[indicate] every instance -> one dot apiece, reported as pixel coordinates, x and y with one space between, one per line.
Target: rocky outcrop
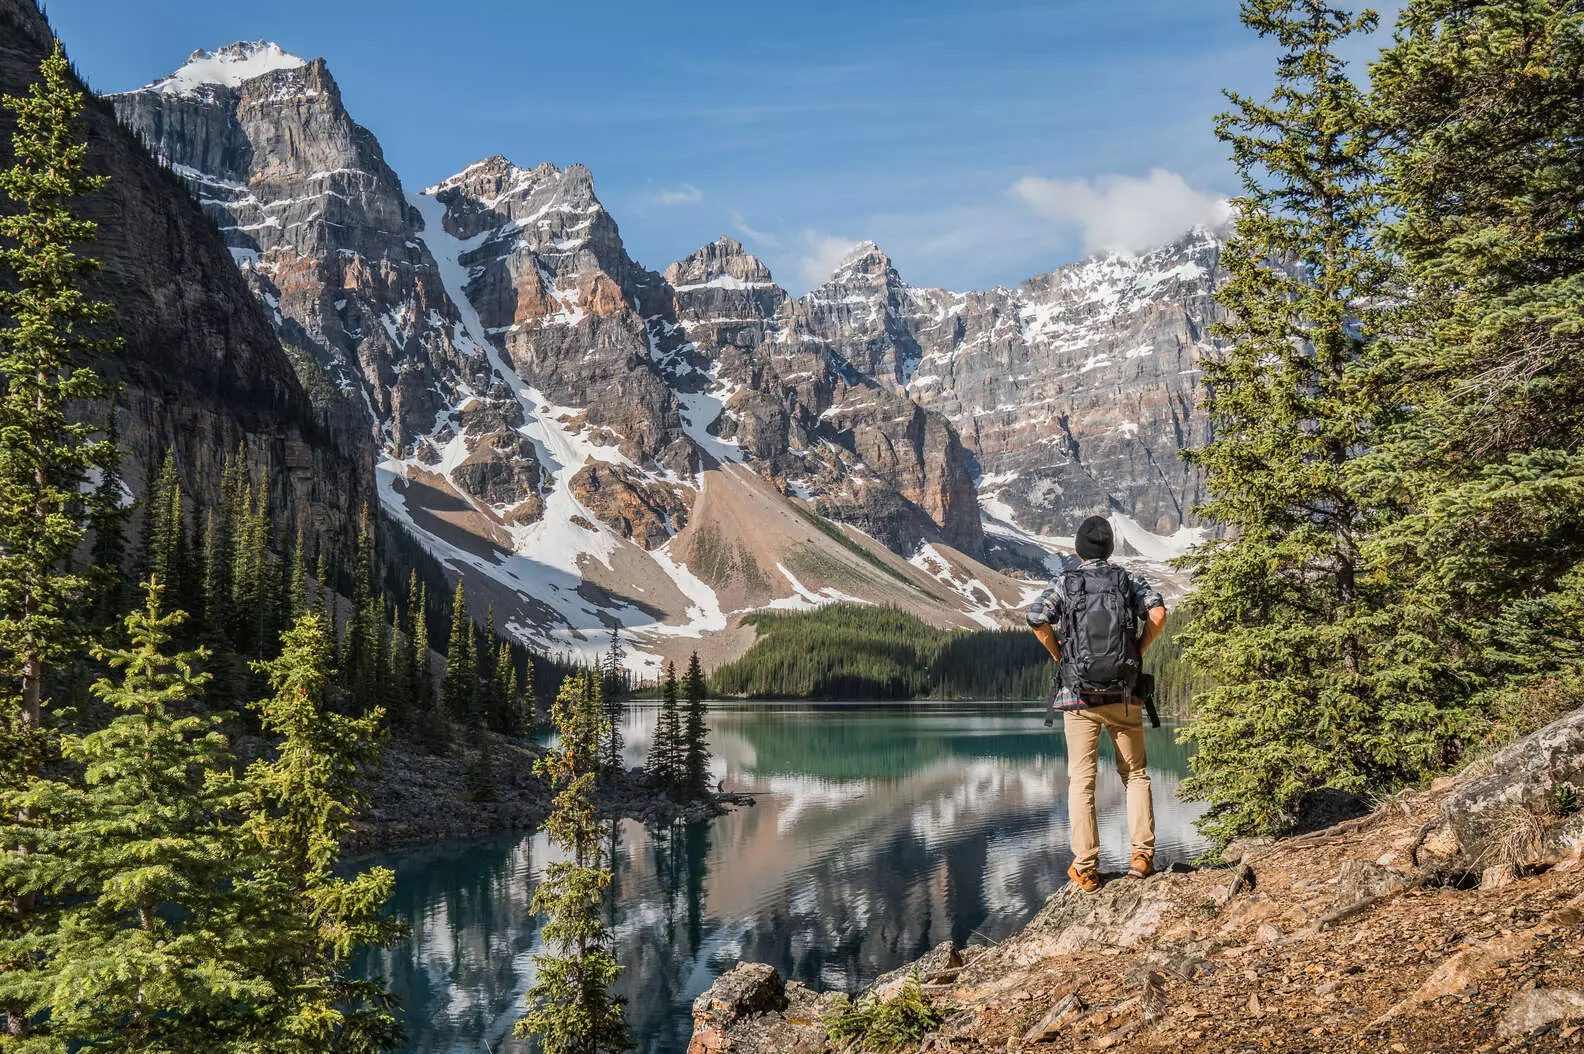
646 511
1523 813
749 1008
201 367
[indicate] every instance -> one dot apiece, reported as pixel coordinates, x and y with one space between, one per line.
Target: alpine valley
590 442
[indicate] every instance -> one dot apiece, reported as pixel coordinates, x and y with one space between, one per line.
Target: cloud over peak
1122 213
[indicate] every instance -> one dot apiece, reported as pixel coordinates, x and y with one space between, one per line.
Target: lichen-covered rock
749 1010
1508 816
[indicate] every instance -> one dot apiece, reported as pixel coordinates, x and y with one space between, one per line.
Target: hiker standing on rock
1088 619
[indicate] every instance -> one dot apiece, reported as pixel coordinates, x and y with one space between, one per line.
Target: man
1088 619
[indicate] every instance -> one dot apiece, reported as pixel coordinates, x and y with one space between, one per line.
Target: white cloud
686 194
1123 213
740 225
821 253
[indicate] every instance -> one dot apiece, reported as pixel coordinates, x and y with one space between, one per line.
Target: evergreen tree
1484 106
614 672
361 651
108 517
1289 616
152 956
166 537
665 750
300 804
571 1010
216 587
47 462
504 688
459 690
695 731
297 590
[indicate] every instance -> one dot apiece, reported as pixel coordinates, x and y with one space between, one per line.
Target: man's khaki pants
1125 724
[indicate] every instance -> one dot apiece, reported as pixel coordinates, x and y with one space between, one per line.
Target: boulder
1508 816
1535 1009
749 1010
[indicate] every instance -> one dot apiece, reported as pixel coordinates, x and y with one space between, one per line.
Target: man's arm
1047 636
1154 622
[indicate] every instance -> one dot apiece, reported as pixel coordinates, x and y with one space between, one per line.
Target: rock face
201 367
313 216
1073 393
749 1010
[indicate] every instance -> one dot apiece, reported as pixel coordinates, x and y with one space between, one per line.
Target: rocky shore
416 796
1449 919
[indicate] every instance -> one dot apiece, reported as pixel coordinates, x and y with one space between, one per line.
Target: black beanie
1093 540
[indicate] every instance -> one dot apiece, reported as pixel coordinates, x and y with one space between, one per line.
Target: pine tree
695 731
665 750
47 344
1484 106
614 671
152 956
300 804
1289 616
571 1010
459 691
431 721
362 631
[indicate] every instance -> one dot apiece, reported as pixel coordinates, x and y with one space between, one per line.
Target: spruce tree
571 1010
614 671
297 588
1484 109
695 731
459 691
1289 616
299 806
152 955
504 687
47 462
108 516
665 753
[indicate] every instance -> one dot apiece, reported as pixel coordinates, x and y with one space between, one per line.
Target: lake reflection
879 832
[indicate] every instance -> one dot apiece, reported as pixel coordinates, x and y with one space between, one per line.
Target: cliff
201 368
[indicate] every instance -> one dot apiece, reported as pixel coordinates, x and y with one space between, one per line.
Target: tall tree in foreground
695 730
147 958
571 1010
1288 617
47 462
1484 105
665 749
300 805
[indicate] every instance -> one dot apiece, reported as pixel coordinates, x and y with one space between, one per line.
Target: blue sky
978 143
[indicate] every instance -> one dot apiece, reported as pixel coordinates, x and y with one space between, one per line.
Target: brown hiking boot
1143 865
1087 881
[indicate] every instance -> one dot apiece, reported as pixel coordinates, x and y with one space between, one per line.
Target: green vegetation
852 651
571 1010
1398 413
894 1024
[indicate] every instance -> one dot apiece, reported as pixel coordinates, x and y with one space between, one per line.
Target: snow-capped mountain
585 440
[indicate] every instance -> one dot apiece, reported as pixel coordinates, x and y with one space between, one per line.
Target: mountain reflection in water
879 832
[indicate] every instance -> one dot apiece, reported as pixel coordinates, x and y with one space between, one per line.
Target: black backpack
1100 645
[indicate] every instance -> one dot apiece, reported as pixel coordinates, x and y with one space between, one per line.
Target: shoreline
416 798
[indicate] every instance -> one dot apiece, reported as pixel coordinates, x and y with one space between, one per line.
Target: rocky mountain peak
863 264
723 263
229 67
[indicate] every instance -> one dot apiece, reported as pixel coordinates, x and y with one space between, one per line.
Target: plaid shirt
1047 611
